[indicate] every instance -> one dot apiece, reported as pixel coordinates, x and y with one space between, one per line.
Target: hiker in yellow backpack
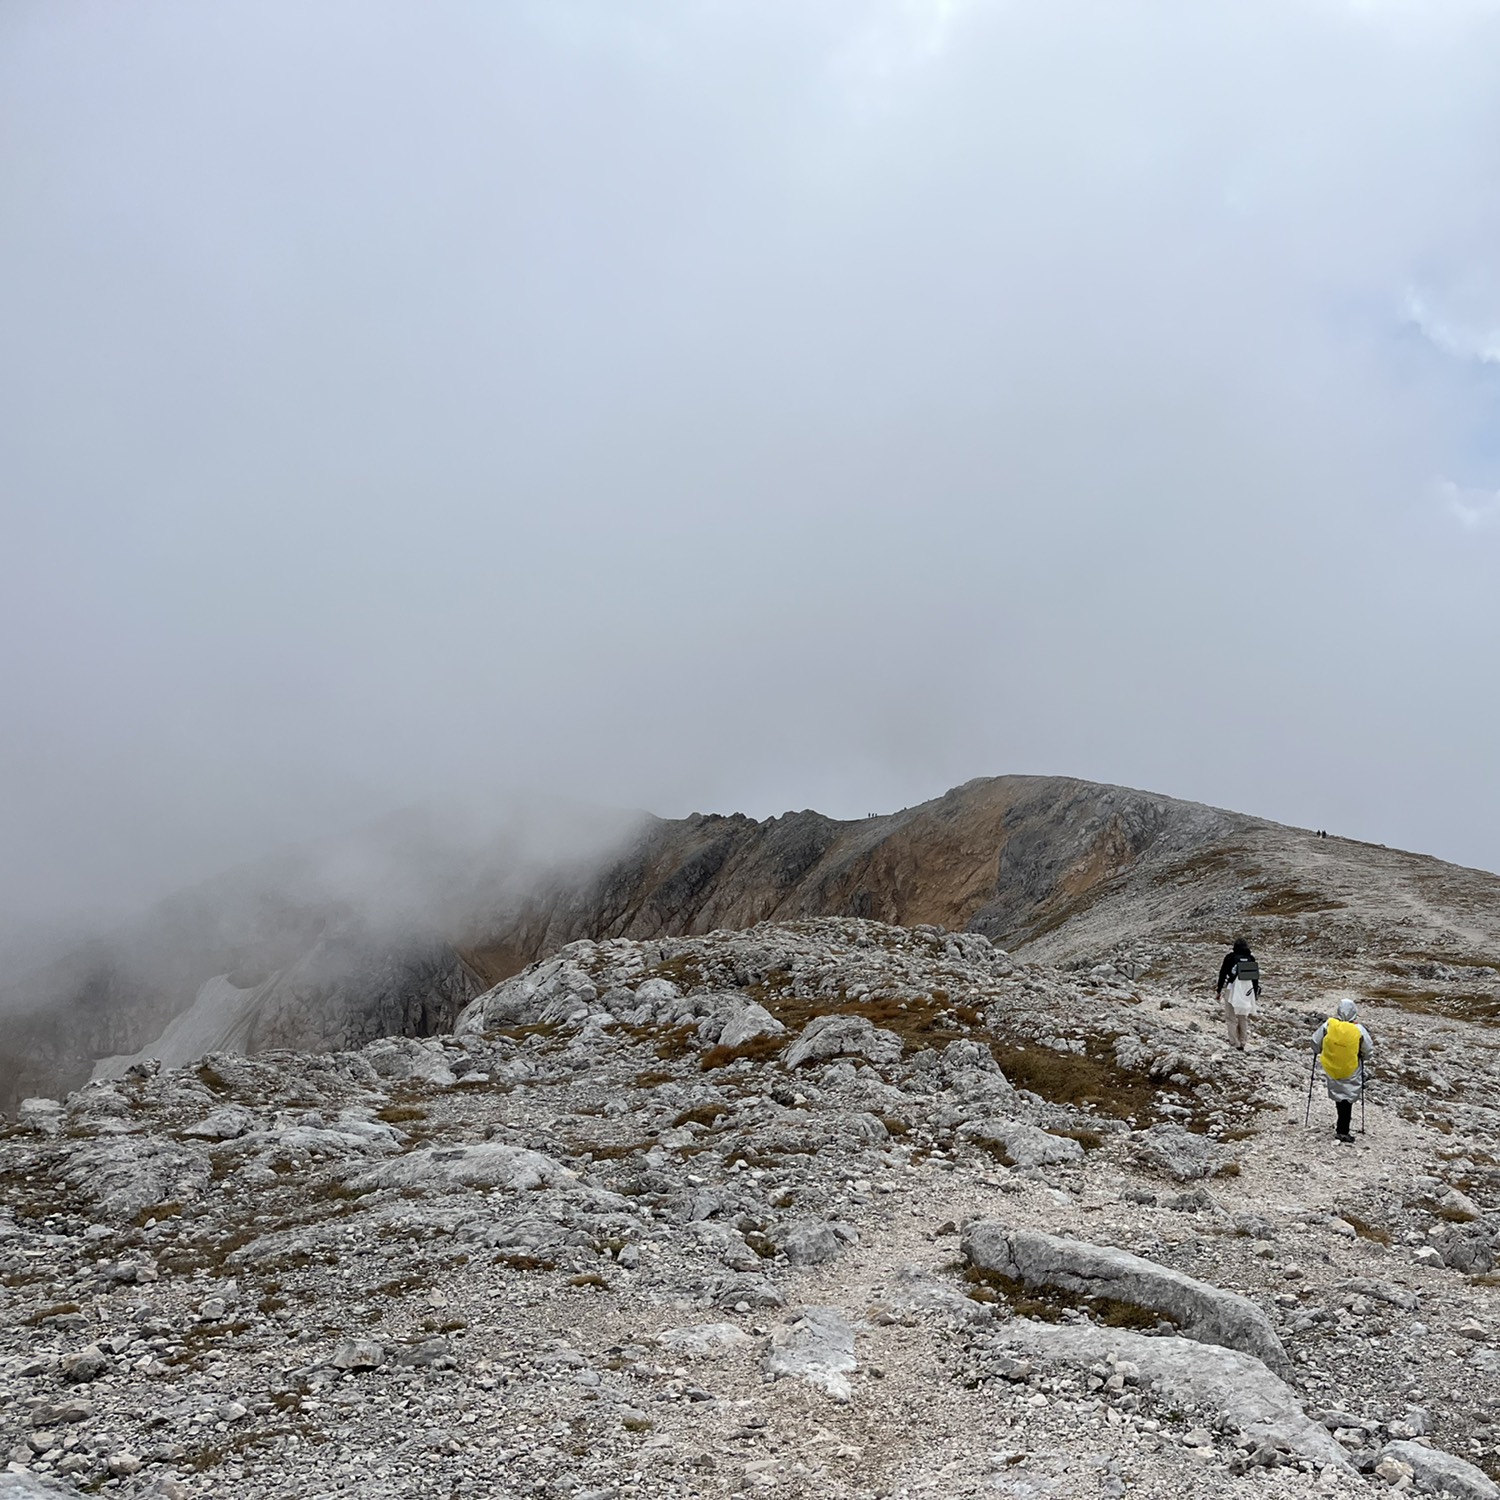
1343 1048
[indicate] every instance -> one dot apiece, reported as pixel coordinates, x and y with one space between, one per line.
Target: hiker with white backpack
1239 974
1342 1047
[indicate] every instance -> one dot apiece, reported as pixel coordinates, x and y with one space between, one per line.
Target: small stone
357 1354
121 1465
85 1364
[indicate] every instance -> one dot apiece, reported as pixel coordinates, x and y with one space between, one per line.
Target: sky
738 405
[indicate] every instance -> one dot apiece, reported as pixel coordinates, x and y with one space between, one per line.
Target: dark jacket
1228 970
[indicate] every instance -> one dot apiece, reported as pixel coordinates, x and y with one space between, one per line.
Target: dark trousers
1345 1108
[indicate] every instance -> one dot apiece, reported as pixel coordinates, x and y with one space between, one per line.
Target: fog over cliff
747 406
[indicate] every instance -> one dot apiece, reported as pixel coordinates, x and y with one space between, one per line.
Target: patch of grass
514 1261
1365 1230
1090 1140
702 1114
895 1125
1288 901
589 1279
213 1080
1091 1080
653 1079
1483 1009
757 1049
399 1114
614 1153
159 1212
59 1310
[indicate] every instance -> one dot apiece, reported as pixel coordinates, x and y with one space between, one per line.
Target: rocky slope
824 1207
1079 874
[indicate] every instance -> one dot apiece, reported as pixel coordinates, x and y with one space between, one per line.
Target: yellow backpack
1340 1055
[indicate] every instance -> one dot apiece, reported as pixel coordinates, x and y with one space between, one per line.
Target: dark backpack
1246 969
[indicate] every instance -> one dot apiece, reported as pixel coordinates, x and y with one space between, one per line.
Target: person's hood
1348 1011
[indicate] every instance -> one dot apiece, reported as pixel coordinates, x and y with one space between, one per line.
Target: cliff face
1007 856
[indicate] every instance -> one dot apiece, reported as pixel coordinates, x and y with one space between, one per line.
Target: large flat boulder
1437 1473
484 1164
1237 1386
1203 1312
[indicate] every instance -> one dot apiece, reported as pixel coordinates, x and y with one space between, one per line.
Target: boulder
810 1242
817 1348
843 1036
357 1354
1436 1472
1237 1386
484 1164
1205 1313
745 1023
44 1116
225 1124
1024 1145
403 1059
21 1485
558 990
126 1174
1469 1248
1172 1151
84 1365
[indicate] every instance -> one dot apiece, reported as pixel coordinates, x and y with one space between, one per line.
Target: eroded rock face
1203 1312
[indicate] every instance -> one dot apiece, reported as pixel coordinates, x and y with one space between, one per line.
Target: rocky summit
824 1206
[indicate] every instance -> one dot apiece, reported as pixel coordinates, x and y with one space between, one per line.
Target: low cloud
746 406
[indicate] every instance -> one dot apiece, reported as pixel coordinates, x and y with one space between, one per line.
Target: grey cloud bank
737 406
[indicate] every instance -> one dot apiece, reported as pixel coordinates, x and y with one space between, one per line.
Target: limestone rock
1025 1145
225 1124
1203 1312
45 1116
1437 1472
843 1036
125 1175
1171 1151
1236 1385
357 1354
703 1339
483 1164
27 1486
810 1242
817 1348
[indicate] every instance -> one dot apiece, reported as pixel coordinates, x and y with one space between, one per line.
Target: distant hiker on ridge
1241 974
1342 1045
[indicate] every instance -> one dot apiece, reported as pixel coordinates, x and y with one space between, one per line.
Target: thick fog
737 406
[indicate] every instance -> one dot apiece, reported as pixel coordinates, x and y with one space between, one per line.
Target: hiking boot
1345 1137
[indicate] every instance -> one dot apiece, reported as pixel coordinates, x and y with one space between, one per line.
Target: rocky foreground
821 1208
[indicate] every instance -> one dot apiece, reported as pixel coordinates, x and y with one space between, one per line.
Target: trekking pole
1311 1077
1361 1098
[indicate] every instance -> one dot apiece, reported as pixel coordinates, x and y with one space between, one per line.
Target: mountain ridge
1073 872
